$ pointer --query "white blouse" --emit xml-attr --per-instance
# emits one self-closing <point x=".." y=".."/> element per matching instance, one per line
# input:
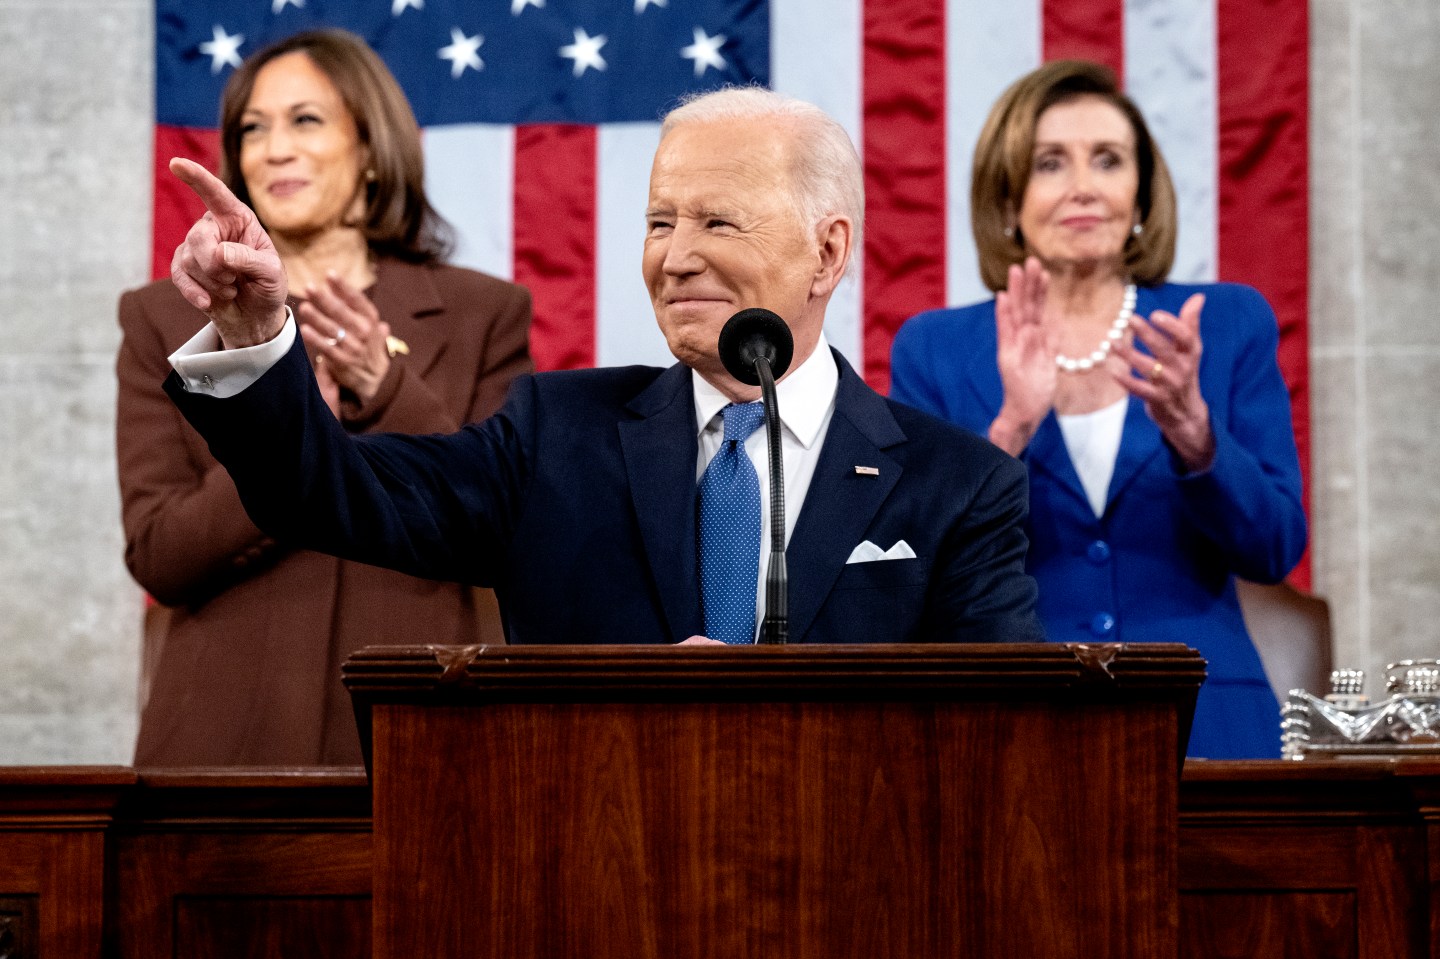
<point x="1093" y="440"/>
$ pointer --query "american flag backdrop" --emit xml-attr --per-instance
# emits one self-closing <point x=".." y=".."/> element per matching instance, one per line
<point x="540" y="119"/>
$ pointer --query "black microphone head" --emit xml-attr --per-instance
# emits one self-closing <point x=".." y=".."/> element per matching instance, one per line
<point x="751" y="334"/>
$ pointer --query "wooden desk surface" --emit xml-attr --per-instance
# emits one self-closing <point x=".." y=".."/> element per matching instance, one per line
<point x="1313" y="859"/>
<point x="1323" y="858"/>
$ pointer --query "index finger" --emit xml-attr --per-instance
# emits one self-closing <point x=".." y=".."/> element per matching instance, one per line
<point x="207" y="186"/>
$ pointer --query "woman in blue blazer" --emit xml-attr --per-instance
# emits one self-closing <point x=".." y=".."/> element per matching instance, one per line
<point x="1151" y="415"/>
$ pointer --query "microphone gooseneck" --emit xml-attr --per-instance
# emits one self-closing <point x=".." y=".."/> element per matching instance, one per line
<point x="756" y="347"/>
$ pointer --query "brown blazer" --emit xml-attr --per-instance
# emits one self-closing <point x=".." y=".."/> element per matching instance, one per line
<point x="252" y="634"/>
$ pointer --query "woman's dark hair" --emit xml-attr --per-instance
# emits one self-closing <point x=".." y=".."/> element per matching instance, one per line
<point x="398" y="219"/>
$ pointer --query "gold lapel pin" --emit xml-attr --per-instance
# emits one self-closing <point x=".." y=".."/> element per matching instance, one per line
<point x="867" y="471"/>
<point x="396" y="345"/>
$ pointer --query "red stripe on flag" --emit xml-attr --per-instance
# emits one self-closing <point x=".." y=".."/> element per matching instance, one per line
<point x="176" y="207"/>
<point x="1263" y="113"/>
<point x="555" y="240"/>
<point x="904" y="151"/>
<point x="1085" y="30"/>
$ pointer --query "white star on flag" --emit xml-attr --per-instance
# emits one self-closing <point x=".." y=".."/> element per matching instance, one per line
<point x="705" y="51"/>
<point x="640" y="5"/>
<point x="400" y="6"/>
<point x="224" y="49"/>
<point x="517" y="5"/>
<point x="461" y="52"/>
<point x="585" y="51"/>
<point x="279" y="5"/>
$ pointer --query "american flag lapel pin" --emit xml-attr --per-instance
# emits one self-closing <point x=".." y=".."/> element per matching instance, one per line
<point x="867" y="471"/>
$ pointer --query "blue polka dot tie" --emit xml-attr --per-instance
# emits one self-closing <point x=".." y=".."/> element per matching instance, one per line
<point x="729" y="522"/>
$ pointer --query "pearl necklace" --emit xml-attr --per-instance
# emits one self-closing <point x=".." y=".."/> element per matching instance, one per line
<point x="1117" y="330"/>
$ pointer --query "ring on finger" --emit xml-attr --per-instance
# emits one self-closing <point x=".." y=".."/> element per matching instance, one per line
<point x="339" y="336"/>
<point x="1156" y="371"/>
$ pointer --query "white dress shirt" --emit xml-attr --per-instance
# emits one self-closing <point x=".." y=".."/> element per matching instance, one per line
<point x="207" y="367"/>
<point x="807" y="401"/>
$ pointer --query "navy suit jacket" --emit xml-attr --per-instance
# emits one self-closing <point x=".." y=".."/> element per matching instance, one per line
<point x="576" y="502"/>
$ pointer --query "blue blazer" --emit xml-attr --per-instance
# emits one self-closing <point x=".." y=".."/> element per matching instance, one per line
<point x="576" y="502"/>
<point x="1159" y="565"/>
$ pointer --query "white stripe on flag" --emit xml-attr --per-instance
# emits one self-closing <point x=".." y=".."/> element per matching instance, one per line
<point x="988" y="46"/>
<point x="470" y="177"/>
<point x="626" y="330"/>
<point x="1171" y="73"/>
<point x="815" y="56"/>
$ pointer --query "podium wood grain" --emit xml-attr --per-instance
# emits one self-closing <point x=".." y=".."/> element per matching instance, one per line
<point x="806" y="802"/>
<point x="242" y="864"/>
<point x="53" y="825"/>
<point x="1322" y="860"/>
<point x="1317" y="859"/>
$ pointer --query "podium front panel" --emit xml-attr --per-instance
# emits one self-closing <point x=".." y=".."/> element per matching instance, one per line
<point x="822" y="830"/>
<point x="814" y="820"/>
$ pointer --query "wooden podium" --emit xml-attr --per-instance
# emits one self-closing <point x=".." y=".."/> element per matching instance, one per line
<point x="790" y="802"/>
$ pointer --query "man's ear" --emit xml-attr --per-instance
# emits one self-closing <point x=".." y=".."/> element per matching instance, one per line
<point x="835" y="237"/>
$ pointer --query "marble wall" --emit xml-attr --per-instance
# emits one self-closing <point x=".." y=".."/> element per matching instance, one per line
<point x="75" y="93"/>
<point x="1375" y="339"/>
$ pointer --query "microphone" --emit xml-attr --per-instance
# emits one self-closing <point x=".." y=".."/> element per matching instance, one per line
<point x="756" y="347"/>
<point x="751" y="335"/>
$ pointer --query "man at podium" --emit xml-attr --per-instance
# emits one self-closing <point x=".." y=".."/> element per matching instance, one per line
<point x="630" y="505"/>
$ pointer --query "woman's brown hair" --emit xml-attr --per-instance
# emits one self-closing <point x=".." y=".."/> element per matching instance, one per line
<point x="1004" y="156"/>
<point x="398" y="219"/>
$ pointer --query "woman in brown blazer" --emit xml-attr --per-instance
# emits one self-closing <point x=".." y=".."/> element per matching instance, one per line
<point x="244" y="668"/>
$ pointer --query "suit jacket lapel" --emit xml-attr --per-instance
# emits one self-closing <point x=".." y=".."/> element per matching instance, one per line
<point x="982" y="373"/>
<point x="1048" y="453"/>
<point x="661" y="450"/>
<point x="1139" y="444"/>
<point x="406" y="298"/>
<point x="840" y="504"/>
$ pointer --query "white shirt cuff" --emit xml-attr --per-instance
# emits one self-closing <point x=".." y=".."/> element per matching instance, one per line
<point x="205" y="367"/>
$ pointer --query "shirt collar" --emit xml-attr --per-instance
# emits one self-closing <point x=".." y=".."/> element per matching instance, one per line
<point x="805" y="396"/>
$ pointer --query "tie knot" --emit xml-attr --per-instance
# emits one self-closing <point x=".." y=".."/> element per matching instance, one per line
<point x="742" y="419"/>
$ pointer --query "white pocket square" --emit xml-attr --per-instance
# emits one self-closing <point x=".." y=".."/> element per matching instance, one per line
<point x="868" y="552"/>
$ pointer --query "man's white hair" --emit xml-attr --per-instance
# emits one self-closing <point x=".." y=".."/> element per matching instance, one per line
<point x="827" y="175"/>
